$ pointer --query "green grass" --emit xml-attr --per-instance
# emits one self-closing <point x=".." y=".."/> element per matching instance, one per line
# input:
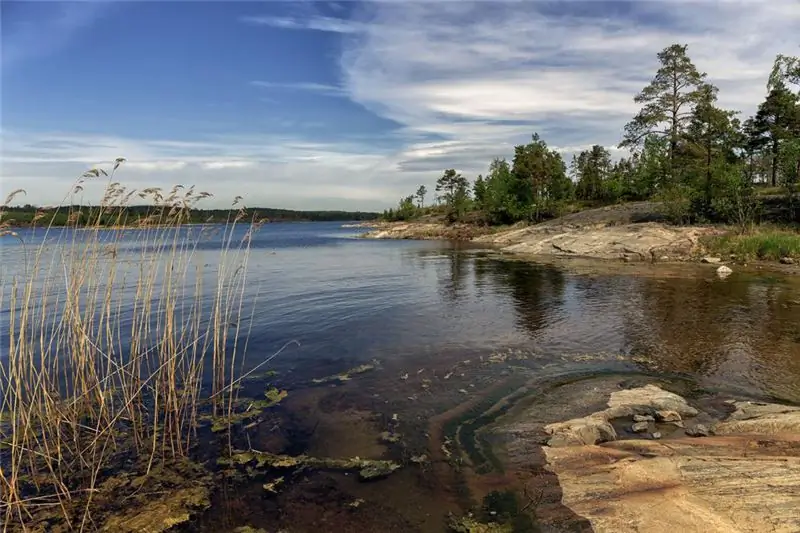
<point x="766" y="244"/>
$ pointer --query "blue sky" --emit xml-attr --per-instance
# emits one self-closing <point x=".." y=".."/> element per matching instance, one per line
<point x="343" y="104"/>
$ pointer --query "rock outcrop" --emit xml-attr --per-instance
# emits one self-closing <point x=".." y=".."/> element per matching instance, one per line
<point x="596" y="428"/>
<point x="648" y="241"/>
<point x="742" y="476"/>
<point x="638" y="242"/>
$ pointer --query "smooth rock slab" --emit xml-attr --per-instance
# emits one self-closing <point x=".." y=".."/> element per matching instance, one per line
<point x="731" y="484"/>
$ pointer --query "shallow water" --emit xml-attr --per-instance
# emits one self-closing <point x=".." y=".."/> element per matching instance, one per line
<point x="450" y="326"/>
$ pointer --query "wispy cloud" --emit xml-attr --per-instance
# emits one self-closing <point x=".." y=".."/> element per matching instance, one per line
<point x="321" y="88"/>
<point x="465" y="81"/>
<point x="37" y="29"/>
<point x="482" y="77"/>
<point x="267" y="170"/>
<point x="328" y="24"/>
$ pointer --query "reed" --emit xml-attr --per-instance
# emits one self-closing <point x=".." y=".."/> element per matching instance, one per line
<point x="109" y="340"/>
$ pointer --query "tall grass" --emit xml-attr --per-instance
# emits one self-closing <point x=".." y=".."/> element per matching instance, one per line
<point x="105" y="352"/>
<point x="765" y="243"/>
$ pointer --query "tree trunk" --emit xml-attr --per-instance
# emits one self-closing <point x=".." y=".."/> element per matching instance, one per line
<point x="708" y="178"/>
<point x="775" y="163"/>
<point x="673" y="140"/>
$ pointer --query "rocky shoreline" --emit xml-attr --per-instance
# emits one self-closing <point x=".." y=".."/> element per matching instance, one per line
<point x="615" y="455"/>
<point x="634" y="243"/>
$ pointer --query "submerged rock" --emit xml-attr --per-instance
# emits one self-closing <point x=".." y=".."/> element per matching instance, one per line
<point x="640" y="427"/>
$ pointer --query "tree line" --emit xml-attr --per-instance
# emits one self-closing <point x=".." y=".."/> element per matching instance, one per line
<point x="701" y="161"/>
<point x="24" y="215"/>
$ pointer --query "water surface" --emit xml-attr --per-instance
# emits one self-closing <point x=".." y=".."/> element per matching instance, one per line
<point x="435" y="317"/>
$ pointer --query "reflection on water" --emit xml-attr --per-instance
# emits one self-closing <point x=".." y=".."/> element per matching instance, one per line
<point x="428" y="311"/>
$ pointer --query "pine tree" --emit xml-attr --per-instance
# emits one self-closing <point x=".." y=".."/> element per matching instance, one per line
<point x="668" y="102"/>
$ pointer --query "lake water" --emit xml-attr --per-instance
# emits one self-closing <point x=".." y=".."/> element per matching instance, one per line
<point x="435" y="317"/>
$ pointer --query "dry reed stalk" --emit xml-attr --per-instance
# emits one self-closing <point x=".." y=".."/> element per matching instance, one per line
<point x="107" y="351"/>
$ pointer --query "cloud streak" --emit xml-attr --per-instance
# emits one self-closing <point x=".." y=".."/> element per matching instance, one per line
<point x="327" y="24"/>
<point x="320" y="88"/>
<point x="41" y="28"/>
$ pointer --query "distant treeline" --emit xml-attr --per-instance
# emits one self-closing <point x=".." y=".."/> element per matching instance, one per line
<point x="24" y="215"/>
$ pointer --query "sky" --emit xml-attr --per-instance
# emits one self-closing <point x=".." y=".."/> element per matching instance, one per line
<point x="342" y="105"/>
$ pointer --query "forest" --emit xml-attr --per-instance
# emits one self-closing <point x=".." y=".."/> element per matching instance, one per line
<point x="702" y="162"/>
<point x="27" y="215"/>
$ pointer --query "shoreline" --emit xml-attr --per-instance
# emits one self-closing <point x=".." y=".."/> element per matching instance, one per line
<point x="633" y="246"/>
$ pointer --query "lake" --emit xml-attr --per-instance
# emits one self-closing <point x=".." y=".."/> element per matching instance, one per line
<point x="445" y="323"/>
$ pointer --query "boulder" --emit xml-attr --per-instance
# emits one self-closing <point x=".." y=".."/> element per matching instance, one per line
<point x="666" y="415"/>
<point x="724" y="271"/>
<point x="580" y="431"/>
<point x="640" y="427"/>
<point x="596" y="428"/>
<point x="649" y="399"/>
<point x="698" y="430"/>
<point x="711" y="260"/>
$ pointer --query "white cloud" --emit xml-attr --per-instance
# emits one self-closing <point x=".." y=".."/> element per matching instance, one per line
<point x="465" y="81"/>
<point x="220" y="165"/>
<point x="484" y="76"/>
<point x="266" y="170"/>
<point x="154" y="166"/>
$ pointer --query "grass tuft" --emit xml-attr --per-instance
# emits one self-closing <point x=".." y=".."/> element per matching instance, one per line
<point x="765" y="244"/>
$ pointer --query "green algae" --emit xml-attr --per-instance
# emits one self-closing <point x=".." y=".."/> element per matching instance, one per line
<point x="500" y="513"/>
<point x="390" y="437"/>
<point x="157" y="501"/>
<point x="274" y="486"/>
<point x="346" y="376"/>
<point x="469" y="524"/>
<point x="368" y="469"/>
<point x="274" y="397"/>
<point x="245" y="410"/>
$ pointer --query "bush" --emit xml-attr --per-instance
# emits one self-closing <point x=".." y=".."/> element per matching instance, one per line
<point x="677" y="201"/>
